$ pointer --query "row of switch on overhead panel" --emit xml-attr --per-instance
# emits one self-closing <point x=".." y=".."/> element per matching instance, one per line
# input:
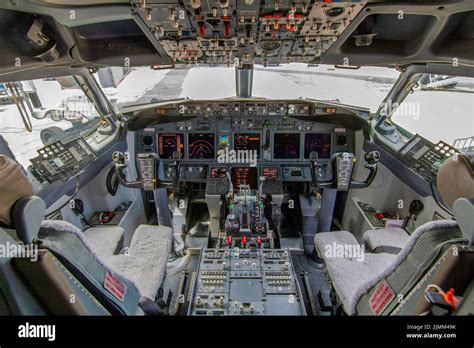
<point x="250" y="31"/>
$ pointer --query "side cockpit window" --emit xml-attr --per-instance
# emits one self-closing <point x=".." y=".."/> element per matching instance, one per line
<point x="440" y="109"/>
<point x="36" y="113"/>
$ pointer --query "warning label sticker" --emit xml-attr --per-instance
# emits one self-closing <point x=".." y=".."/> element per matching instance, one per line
<point x="381" y="298"/>
<point x="115" y="286"/>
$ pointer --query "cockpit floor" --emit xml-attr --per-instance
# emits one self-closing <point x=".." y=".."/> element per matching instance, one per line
<point x="290" y="226"/>
<point x="316" y="279"/>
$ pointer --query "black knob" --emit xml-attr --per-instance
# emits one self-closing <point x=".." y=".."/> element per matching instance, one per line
<point x="416" y="207"/>
<point x="341" y="140"/>
<point x="147" y="140"/>
<point x="372" y="157"/>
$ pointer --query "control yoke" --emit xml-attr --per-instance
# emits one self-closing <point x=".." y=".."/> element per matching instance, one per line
<point x="148" y="164"/>
<point x="176" y="168"/>
<point x="343" y="165"/>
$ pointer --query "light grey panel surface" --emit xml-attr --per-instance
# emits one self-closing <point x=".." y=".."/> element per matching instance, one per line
<point x="387" y="193"/>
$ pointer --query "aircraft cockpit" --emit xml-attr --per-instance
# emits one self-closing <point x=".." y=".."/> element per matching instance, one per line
<point x="237" y="158"/>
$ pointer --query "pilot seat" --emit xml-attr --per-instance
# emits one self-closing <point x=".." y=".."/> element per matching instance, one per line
<point x="73" y="263"/>
<point x="358" y="281"/>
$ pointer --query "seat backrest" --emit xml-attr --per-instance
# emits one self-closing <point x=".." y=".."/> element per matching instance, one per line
<point x="16" y="297"/>
<point x="453" y="270"/>
<point x="455" y="182"/>
<point x="426" y="244"/>
<point x="57" y="288"/>
<point x="13" y="186"/>
<point x="119" y="295"/>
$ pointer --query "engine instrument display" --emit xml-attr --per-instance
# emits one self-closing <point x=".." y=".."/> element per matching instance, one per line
<point x="218" y="172"/>
<point x="201" y="146"/>
<point x="244" y="176"/>
<point x="247" y="142"/>
<point x="286" y="146"/>
<point x="169" y="143"/>
<point x="319" y="142"/>
<point x="271" y="172"/>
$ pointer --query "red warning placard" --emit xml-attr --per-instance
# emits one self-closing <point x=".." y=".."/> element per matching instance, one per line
<point x="115" y="286"/>
<point x="381" y="298"/>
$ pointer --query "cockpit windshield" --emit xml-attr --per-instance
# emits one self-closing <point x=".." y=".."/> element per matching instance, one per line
<point x="364" y="86"/>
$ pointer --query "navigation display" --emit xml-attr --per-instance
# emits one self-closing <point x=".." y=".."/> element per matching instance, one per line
<point x="286" y="146"/>
<point x="218" y="172"/>
<point x="271" y="172"/>
<point x="244" y="176"/>
<point x="319" y="142"/>
<point x="201" y="146"/>
<point x="169" y="143"/>
<point x="247" y="142"/>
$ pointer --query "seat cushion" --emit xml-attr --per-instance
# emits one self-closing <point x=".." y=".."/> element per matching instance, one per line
<point x="145" y="261"/>
<point x="349" y="275"/>
<point x="348" y="267"/>
<point x="325" y="239"/>
<point x="389" y="240"/>
<point x="105" y="240"/>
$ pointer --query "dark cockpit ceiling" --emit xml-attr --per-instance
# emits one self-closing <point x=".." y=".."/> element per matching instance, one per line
<point x="176" y="33"/>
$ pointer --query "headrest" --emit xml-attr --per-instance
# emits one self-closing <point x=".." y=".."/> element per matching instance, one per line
<point x="455" y="182"/>
<point x="13" y="186"/>
<point x="28" y="213"/>
<point x="456" y="178"/>
<point x="464" y="212"/>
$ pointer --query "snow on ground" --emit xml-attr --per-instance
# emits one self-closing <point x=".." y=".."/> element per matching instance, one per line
<point x="277" y="82"/>
<point x="362" y="71"/>
<point x="439" y="115"/>
<point x="24" y="144"/>
<point x="341" y="89"/>
<point x="135" y="84"/>
<point x="209" y="83"/>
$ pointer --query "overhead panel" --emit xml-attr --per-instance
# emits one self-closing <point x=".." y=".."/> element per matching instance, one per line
<point x="230" y="32"/>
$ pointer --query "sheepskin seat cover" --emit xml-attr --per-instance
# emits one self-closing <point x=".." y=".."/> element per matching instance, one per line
<point x="145" y="261"/>
<point x="390" y="240"/>
<point x="105" y="240"/>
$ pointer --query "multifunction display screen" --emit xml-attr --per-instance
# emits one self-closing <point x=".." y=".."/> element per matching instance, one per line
<point x="319" y="142"/>
<point x="247" y="142"/>
<point x="169" y="143"/>
<point x="201" y="146"/>
<point x="286" y="146"/>
<point x="244" y="176"/>
<point x="218" y="172"/>
<point x="271" y="172"/>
